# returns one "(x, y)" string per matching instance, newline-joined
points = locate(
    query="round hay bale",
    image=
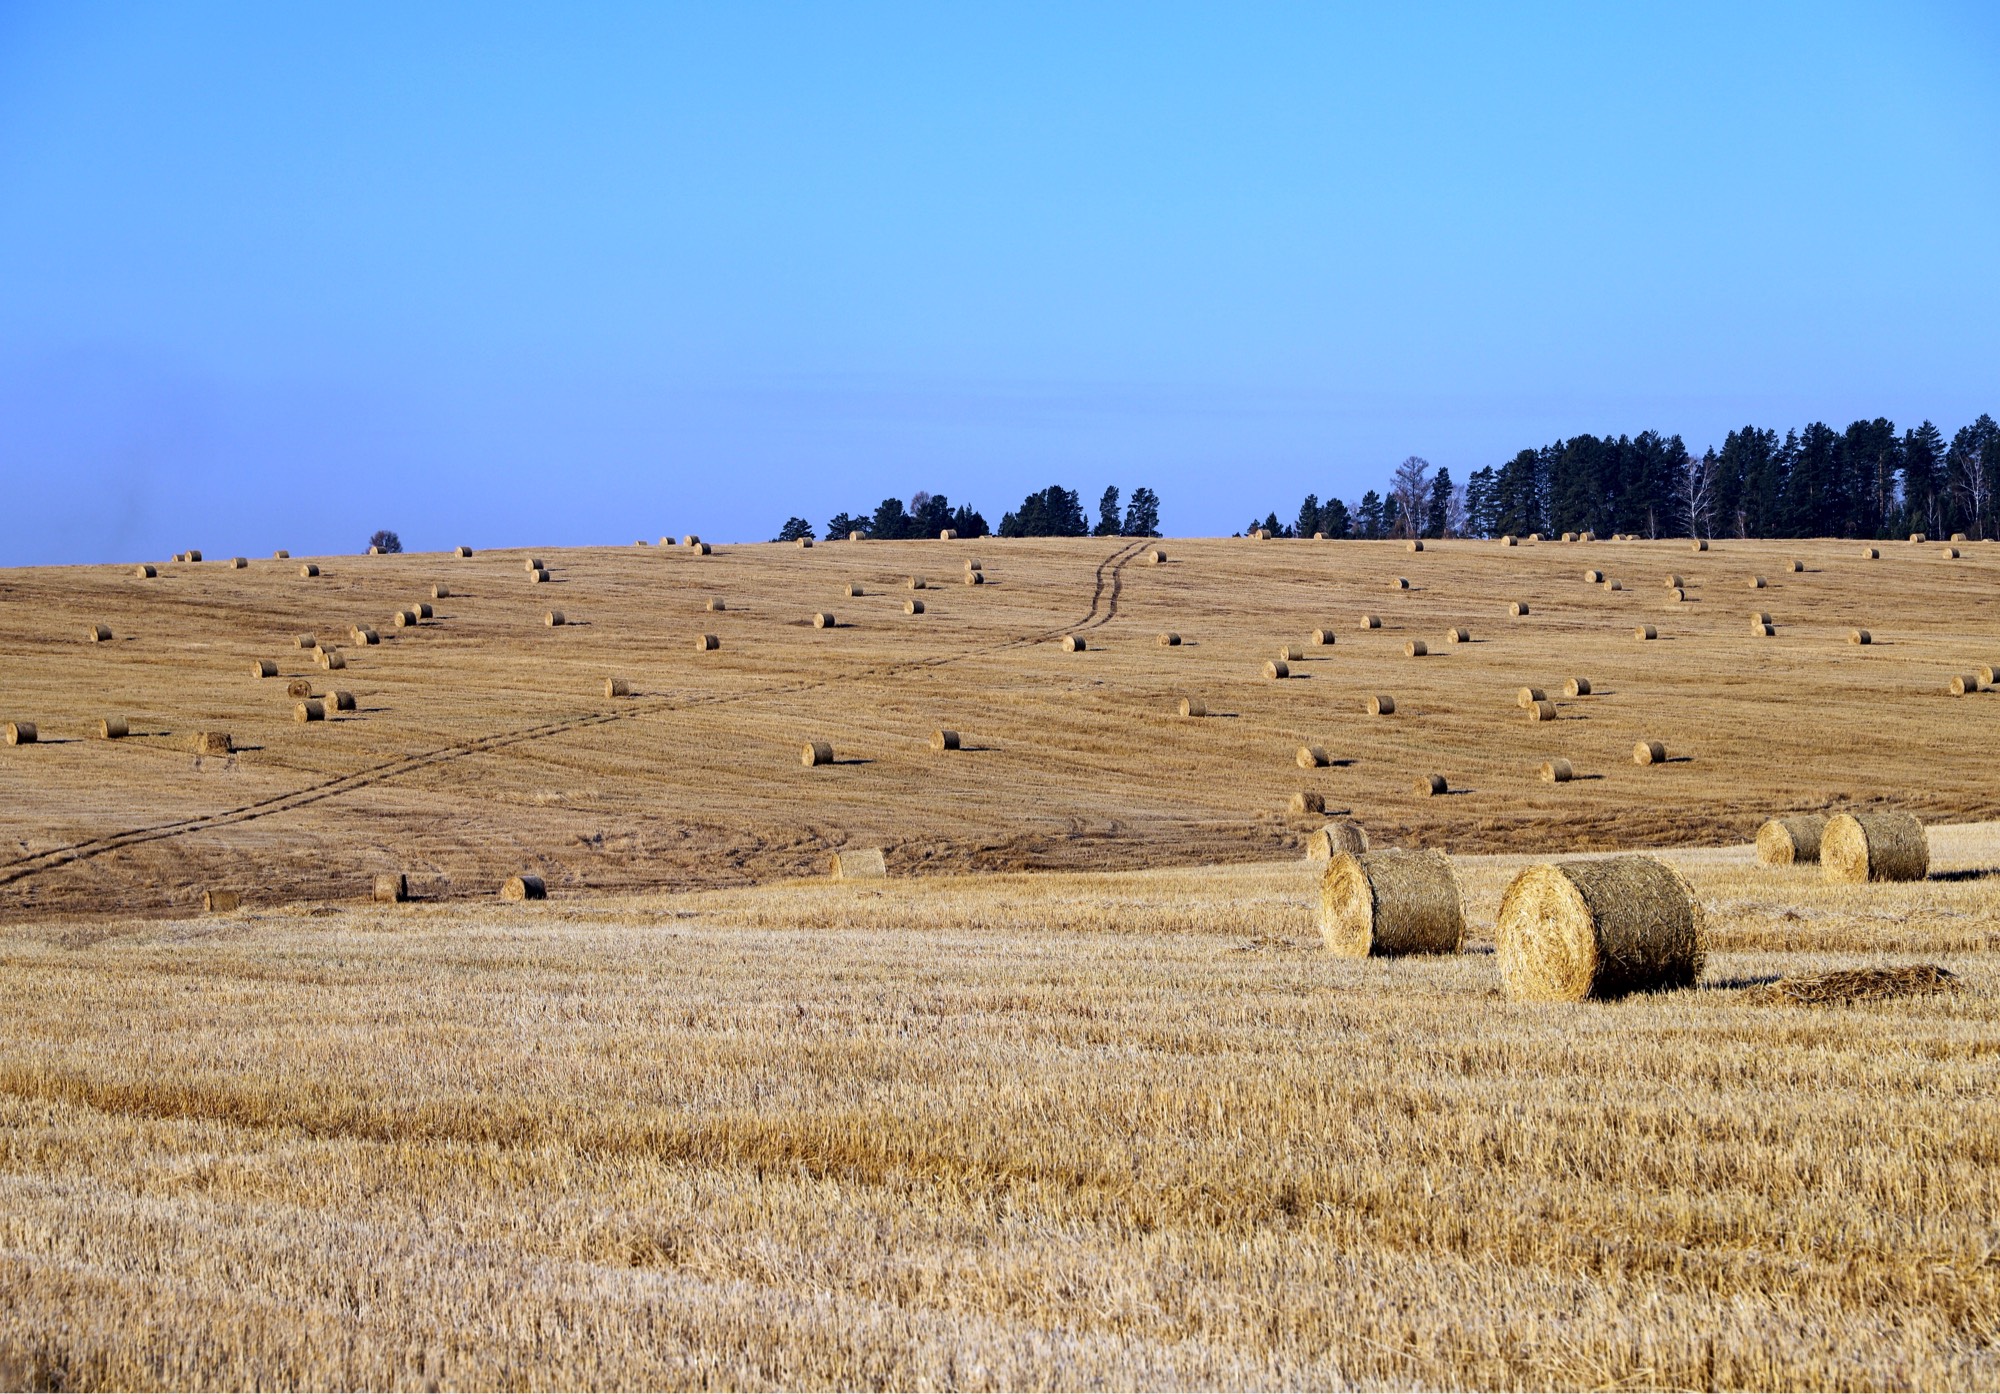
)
(461, 552)
(859, 864)
(1155, 557)
(1542, 711)
(422, 610)
(21, 733)
(1509, 541)
(975, 578)
(1371, 621)
(1674, 581)
(715, 605)
(330, 660)
(403, 619)
(214, 743)
(1074, 643)
(916, 583)
(1601, 928)
(815, 753)
(947, 535)
(219, 902)
(1323, 637)
(440, 592)
(1169, 640)
(340, 701)
(824, 620)
(943, 739)
(554, 619)
(264, 668)
(1277, 668)
(1918, 537)
(1758, 617)
(98, 634)
(1871, 553)
(853, 589)
(1757, 583)
(238, 563)
(1416, 648)
(1261, 534)
(1586, 537)
(374, 551)
(1593, 576)
(1401, 583)
(1577, 687)
(1645, 631)
(1569, 537)
(1677, 596)
(1963, 684)
(524, 887)
(1431, 785)
(281, 555)
(392, 888)
(1558, 771)
(1291, 653)
(856, 535)
(1860, 636)
(972, 564)
(1649, 753)
(1517, 608)
(1958, 537)
(536, 578)
(1312, 757)
(1415, 544)
(1700, 544)
(361, 634)
(1949, 554)
(1614, 585)
(1381, 704)
(1528, 696)
(1764, 631)
(1458, 636)
(617, 687)
(308, 570)
(1782, 841)
(1193, 706)
(913, 607)
(1987, 675)
(309, 711)
(1795, 565)
(704, 643)
(1534, 537)
(1857, 847)
(1336, 839)
(1390, 902)
(805, 542)
(532, 564)
(113, 728)
(145, 572)
(298, 687)
(194, 554)
(1306, 801)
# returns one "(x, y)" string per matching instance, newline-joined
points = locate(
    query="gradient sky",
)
(277, 275)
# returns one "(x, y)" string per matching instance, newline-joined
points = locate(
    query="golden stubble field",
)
(1074, 1129)
(483, 744)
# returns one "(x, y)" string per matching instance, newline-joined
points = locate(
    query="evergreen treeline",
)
(1866, 481)
(1051, 512)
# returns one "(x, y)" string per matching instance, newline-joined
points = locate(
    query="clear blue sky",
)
(281, 274)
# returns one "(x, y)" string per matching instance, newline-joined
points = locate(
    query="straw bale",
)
(916, 583)
(461, 552)
(943, 739)
(856, 536)
(1889, 846)
(22, 733)
(1860, 636)
(313, 710)
(1291, 653)
(298, 687)
(1390, 902)
(1371, 621)
(1074, 643)
(972, 564)
(340, 701)
(805, 542)
(1400, 583)
(705, 642)
(422, 610)
(1458, 636)
(1963, 684)
(1517, 608)
(1306, 801)
(1155, 557)
(1415, 544)
(1987, 675)
(1528, 696)
(1846, 986)
(536, 578)
(1757, 583)
(98, 634)
(975, 578)
(1673, 581)
(1169, 640)
(440, 592)
(1871, 553)
(1782, 841)
(1649, 753)
(1758, 617)
(1430, 785)
(238, 563)
(1534, 537)
(308, 570)
(403, 619)
(1313, 757)
(1958, 537)
(1949, 554)
(524, 887)
(281, 555)
(1796, 565)
(1700, 544)
(392, 888)
(1542, 711)
(1193, 706)
(1577, 687)
(1381, 704)
(533, 564)
(690, 540)
(1593, 576)
(1569, 537)
(1323, 637)
(617, 687)
(1558, 771)
(715, 605)
(194, 554)
(374, 551)
(815, 753)
(1600, 928)
(362, 634)
(948, 535)
(145, 572)
(824, 620)
(1416, 648)
(264, 668)
(219, 902)
(1645, 631)
(1614, 585)
(1918, 537)
(1763, 631)
(913, 606)
(213, 743)
(1277, 668)
(1586, 537)
(1676, 596)
(330, 660)
(1509, 541)
(1335, 839)
(859, 864)
(554, 619)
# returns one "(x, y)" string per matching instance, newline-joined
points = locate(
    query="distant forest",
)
(1051, 512)
(1866, 481)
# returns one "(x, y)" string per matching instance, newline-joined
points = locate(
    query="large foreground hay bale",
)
(392, 888)
(1598, 928)
(1558, 771)
(816, 753)
(113, 728)
(943, 739)
(1390, 902)
(1193, 706)
(21, 733)
(860, 864)
(1074, 643)
(1782, 841)
(524, 887)
(1857, 847)
(1381, 704)
(1649, 753)
(1334, 839)
(1312, 757)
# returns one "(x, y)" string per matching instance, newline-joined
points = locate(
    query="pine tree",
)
(1142, 514)
(1309, 517)
(1370, 514)
(1438, 507)
(794, 529)
(1334, 520)
(1107, 512)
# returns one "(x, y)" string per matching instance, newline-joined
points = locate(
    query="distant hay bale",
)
(1988, 674)
(975, 578)
(1757, 583)
(330, 660)
(1323, 637)
(1261, 534)
(281, 555)
(1381, 704)
(1569, 537)
(617, 687)
(690, 540)
(1169, 640)
(238, 563)
(1335, 839)
(1871, 553)
(1306, 801)
(374, 550)
(805, 542)
(859, 864)
(1074, 643)
(1963, 684)
(1673, 581)
(392, 888)
(1764, 631)
(1758, 617)
(1645, 631)
(313, 710)
(1528, 696)
(856, 535)
(554, 619)
(1458, 636)
(264, 668)
(98, 634)
(1797, 565)
(1577, 687)
(538, 577)
(1312, 757)
(214, 743)
(1677, 596)
(853, 589)
(1889, 846)
(1918, 537)
(1400, 583)
(715, 604)
(916, 583)
(815, 753)
(943, 739)
(403, 619)
(298, 687)
(524, 887)
(1586, 537)
(1277, 668)
(305, 641)
(340, 701)
(1390, 902)
(194, 554)
(461, 552)
(704, 643)
(532, 564)
(145, 572)
(22, 733)
(1534, 537)
(913, 607)
(1542, 711)
(113, 728)
(1431, 785)
(1593, 576)
(1700, 544)
(1155, 557)
(1611, 585)
(1517, 608)
(1509, 541)
(1371, 621)
(1782, 841)
(1416, 648)
(1949, 554)
(308, 570)
(1958, 537)
(1601, 928)
(440, 592)
(1291, 653)
(1860, 636)
(1649, 753)
(362, 634)
(1191, 706)
(972, 564)
(1558, 771)
(220, 902)
(1415, 544)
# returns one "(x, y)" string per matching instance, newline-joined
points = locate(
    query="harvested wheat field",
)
(1003, 1130)
(481, 743)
